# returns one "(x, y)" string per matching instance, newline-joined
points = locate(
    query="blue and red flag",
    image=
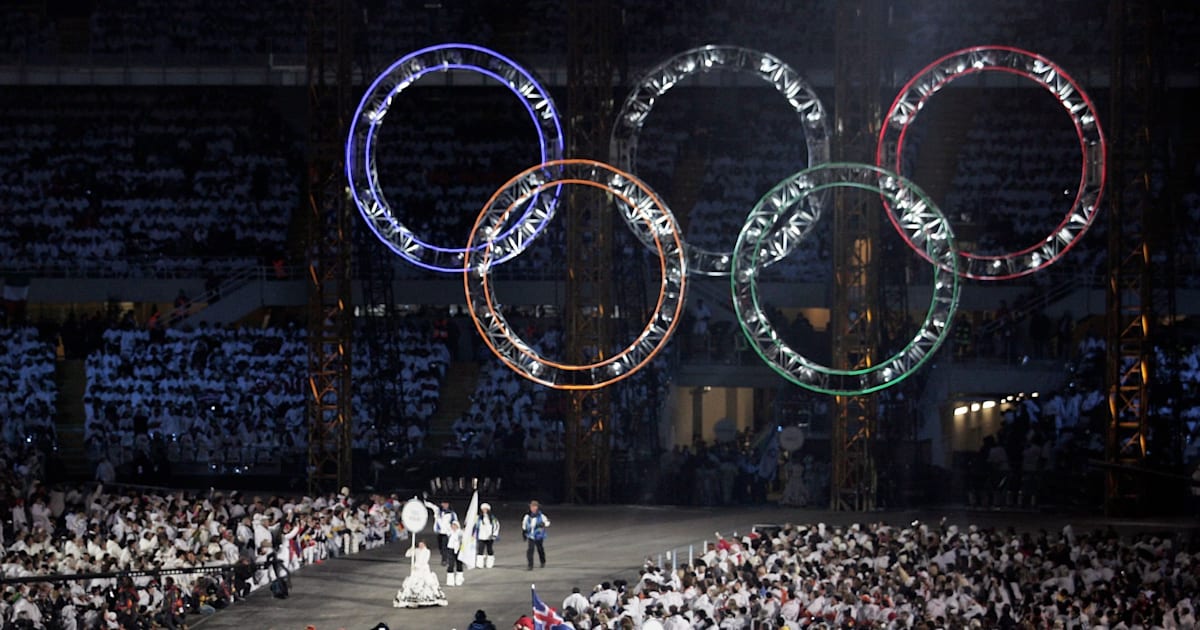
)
(545, 617)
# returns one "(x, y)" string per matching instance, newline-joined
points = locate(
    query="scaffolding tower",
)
(1135, 86)
(589, 287)
(330, 318)
(855, 318)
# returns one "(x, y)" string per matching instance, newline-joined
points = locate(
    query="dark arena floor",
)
(585, 546)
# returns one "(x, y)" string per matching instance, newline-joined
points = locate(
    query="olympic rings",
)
(669, 73)
(1054, 79)
(921, 222)
(494, 328)
(361, 148)
(773, 228)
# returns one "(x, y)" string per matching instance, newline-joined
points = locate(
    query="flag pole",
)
(412, 544)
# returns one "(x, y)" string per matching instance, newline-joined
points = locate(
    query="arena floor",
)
(585, 546)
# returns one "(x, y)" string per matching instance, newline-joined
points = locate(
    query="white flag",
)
(466, 553)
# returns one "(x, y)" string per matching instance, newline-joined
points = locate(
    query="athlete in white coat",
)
(487, 532)
(454, 570)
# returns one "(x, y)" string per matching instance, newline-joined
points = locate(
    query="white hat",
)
(485, 506)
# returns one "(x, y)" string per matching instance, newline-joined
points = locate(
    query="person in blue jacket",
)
(533, 528)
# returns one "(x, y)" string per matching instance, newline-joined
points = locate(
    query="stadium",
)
(789, 314)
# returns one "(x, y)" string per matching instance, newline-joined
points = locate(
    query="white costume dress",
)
(421, 587)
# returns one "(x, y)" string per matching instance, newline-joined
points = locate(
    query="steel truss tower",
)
(855, 318)
(330, 316)
(589, 287)
(1130, 375)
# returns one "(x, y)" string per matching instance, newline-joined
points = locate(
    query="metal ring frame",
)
(660, 79)
(361, 148)
(922, 223)
(494, 328)
(1092, 146)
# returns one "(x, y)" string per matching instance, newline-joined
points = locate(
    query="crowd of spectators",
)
(1036, 446)
(1008, 334)
(457, 146)
(1045, 441)
(235, 396)
(1018, 172)
(1065, 35)
(506, 417)
(724, 473)
(210, 394)
(650, 32)
(1189, 376)
(225, 30)
(127, 181)
(27, 388)
(875, 575)
(396, 409)
(512, 417)
(23, 33)
(123, 537)
(220, 30)
(712, 154)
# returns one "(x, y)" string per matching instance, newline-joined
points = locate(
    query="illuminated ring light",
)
(1092, 146)
(494, 328)
(663, 77)
(922, 223)
(361, 147)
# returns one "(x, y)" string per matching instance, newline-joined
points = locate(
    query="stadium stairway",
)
(70, 376)
(238, 295)
(236, 302)
(462, 377)
(1065, 286)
